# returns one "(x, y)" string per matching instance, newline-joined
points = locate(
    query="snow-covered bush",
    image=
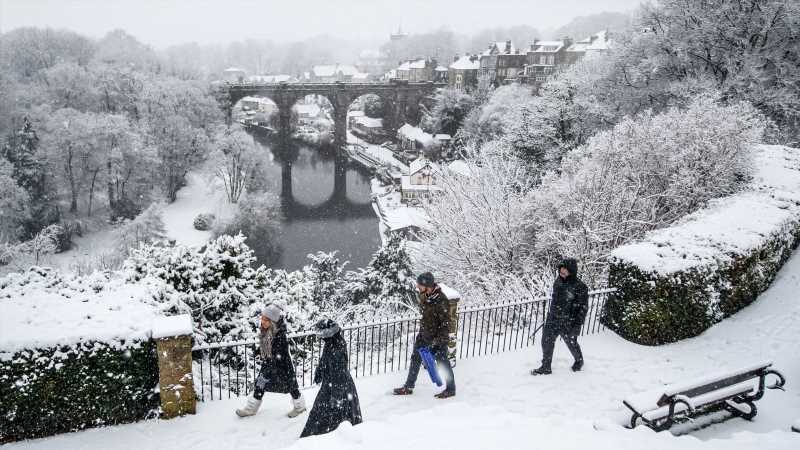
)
(644, 174)
(214, 283)
(203, 222)
(78, 356)
(678, 281)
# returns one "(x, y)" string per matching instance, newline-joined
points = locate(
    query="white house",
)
(421, 180)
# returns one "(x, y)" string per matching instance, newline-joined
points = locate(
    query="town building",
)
(234, 75)
(546, 58)
(368, 128)
(501, 63)
(272, 79)
(421, 180)
(440, 74)
(332, 73)
(463, 73)
(413, 139)
(307, 113)
(415, 71)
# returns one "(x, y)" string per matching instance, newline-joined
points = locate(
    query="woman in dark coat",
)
(337, 400)
(277, 370)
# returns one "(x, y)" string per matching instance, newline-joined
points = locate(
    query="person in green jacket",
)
(434, 333)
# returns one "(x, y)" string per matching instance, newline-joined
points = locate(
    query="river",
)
(326, 204)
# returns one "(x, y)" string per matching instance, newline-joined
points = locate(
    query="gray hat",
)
(426, 279)
(272, 312)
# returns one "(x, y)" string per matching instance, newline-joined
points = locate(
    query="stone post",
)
(173, 336)
(453, 298)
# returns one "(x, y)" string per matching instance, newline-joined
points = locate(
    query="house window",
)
(551, 59)
(542, 59)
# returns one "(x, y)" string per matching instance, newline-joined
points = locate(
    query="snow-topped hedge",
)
(75, 352)
(680, 280)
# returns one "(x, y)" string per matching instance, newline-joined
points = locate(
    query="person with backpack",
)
(434, 333)
(568, 307)
(337, 399)
(277, 370)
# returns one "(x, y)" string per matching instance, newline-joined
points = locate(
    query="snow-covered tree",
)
(235, 158)
(645, 173)
(476, 238)
(14, 205)
(450, 108)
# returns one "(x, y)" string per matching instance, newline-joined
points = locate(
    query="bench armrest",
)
(780, 379)
(685, 400)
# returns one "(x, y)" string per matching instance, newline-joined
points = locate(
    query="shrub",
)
(679, 281)
(258, 219)
(69, 388)
(203, 222)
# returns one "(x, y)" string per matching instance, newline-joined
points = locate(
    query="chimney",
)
(508, 46)
(567, 41)
(455, 58)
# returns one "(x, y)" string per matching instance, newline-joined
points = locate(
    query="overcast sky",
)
(164, 22)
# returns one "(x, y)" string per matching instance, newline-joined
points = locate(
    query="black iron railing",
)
(227, 369)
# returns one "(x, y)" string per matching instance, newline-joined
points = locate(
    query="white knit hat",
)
(272, 312)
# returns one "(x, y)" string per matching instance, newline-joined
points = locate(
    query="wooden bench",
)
(734, 391)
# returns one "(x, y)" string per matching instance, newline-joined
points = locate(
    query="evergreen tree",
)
(30, 174)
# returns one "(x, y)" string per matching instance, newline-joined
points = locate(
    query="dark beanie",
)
(426, 279)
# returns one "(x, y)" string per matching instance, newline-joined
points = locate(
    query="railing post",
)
(173, 336)
(453, 298)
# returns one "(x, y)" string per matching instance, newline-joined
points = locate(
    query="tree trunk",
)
(91, 190)
(73, 206)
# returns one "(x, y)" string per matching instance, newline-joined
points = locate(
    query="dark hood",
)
(570, 264)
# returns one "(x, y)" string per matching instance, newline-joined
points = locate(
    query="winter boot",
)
(577, 366)
(445, 394)
(299, 405)
(403, 391)
(541, 371)
(250, 409)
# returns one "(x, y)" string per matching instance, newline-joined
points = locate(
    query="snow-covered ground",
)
(198, 196)
(500, 406)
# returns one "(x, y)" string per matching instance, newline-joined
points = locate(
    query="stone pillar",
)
(173, 336)
(453, 298)
(340, 125)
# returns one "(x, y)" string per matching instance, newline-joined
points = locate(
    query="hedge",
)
(57, 390)
(652, 307)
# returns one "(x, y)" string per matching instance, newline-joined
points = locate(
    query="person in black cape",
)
(337, 400)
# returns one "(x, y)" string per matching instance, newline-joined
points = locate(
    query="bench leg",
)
(734, 407)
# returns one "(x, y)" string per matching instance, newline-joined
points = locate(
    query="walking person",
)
(434, 333)
(337, 400)
(568, 307)
(277, 370)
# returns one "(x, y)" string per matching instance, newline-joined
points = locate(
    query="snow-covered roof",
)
(595, 42)
(369, 122)
(728, 226)
(499, 48)
(547, 46)
(415, 133)
(356, 113)
(404, 217)
(250, 98)
(420, 163)
(234, 69)
(331, 70)
(361, 76)
(418, 64)
(442, 137)
(405, 66)
(460, 167)
(466, 62)
(441, 69)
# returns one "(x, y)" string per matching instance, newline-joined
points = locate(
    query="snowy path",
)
(500, 406)
(196, 197)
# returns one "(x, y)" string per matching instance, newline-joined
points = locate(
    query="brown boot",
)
(403, 391)
(445, 394)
